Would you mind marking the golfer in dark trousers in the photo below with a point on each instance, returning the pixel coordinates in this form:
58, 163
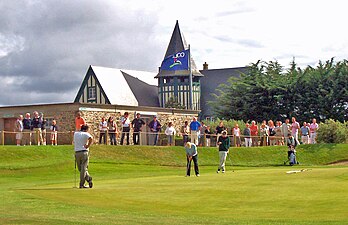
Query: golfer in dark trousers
82, 142
224, 145
191, 154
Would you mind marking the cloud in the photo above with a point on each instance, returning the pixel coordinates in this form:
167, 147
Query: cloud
243, 42
47, 46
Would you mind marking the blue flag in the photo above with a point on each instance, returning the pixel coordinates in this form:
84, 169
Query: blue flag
178, 61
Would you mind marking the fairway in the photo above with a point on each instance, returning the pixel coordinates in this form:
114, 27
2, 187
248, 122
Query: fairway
145, 192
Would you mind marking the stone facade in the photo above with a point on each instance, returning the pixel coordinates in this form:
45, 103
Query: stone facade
65, 113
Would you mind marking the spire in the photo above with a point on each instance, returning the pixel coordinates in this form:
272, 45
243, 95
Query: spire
177, 42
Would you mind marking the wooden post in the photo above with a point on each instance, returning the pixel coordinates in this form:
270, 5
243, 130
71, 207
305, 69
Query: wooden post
3, 137
106, 137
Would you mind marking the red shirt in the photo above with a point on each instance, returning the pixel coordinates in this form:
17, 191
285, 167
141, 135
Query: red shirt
253, 130
79, 122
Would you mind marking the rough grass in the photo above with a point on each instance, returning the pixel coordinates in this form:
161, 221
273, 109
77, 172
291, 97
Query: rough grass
146, 185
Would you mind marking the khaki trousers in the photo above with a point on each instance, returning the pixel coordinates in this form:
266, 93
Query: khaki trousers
82, 160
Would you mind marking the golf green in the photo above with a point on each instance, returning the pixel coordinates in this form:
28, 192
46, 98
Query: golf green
149, 193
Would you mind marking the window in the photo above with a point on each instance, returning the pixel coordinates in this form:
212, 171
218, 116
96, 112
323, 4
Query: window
91, 93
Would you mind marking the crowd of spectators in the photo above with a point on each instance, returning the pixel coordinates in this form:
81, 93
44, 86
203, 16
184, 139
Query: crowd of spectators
32, 130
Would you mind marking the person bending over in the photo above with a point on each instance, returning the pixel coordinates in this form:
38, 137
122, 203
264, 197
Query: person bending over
191, 154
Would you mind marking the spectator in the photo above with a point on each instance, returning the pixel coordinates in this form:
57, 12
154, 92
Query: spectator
27, 126
155, 127
19, 130
54, 133
285, 130
201, 134
272, 133
194, 129
224, 146
112, 130
278, 133
79, 121
207, 136
313, 128
295, 126
103, 127
185, 131
170, 132
254, 131
218, 131
247, 135
236, 135
137, 124
264, 133
36, 128
125, 127
191, 154
43, 128
304, 133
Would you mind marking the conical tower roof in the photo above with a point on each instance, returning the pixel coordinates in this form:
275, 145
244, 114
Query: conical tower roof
178, 43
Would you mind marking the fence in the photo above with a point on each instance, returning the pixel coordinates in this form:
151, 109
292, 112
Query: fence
33, 137
145, 138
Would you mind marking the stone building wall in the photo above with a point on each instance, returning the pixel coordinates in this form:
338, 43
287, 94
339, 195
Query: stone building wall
65, 113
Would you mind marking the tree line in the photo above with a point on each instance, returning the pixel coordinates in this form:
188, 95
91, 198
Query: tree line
268, 91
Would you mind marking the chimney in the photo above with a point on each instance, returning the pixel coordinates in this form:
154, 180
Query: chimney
205, 66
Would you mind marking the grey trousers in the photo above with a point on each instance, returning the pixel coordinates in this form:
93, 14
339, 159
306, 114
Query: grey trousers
82, 160
222, 158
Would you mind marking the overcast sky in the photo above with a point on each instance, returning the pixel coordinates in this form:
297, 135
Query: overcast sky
46, 46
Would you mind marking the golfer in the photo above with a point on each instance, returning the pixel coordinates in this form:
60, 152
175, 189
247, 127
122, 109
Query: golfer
191, 154
224, 145
82, 142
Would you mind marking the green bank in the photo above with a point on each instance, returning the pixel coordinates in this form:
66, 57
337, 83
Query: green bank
146, 185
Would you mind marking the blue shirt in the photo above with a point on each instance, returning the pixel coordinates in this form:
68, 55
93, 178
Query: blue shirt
194, 125
304, 131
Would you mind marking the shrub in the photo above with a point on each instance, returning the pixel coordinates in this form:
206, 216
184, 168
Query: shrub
332, 132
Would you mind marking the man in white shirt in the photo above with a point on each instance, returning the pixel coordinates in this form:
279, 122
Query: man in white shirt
82, 141
125, 127
103, 127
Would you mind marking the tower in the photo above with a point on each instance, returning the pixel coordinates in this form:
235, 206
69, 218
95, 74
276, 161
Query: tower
178, 76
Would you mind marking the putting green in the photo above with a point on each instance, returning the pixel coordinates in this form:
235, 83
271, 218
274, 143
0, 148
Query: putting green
252, 196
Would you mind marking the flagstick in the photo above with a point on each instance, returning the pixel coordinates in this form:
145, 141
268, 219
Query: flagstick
190, 80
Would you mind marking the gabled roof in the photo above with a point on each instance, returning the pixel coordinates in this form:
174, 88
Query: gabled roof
212, 79
176, 44
146, 95
126, 87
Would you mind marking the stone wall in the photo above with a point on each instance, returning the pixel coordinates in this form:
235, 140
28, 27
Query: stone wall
64, 114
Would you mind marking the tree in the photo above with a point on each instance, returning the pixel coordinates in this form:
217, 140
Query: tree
266, 91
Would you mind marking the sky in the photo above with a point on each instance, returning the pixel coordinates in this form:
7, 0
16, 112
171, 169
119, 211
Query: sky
46, 46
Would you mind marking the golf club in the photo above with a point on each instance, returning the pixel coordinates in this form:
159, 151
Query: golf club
75, 174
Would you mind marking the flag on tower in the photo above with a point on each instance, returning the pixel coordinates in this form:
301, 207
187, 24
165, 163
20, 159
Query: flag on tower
177, 61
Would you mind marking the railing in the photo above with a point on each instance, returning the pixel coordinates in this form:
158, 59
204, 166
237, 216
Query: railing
34, 137
145, 138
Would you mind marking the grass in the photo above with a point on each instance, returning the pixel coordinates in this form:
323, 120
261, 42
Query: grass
146, 185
